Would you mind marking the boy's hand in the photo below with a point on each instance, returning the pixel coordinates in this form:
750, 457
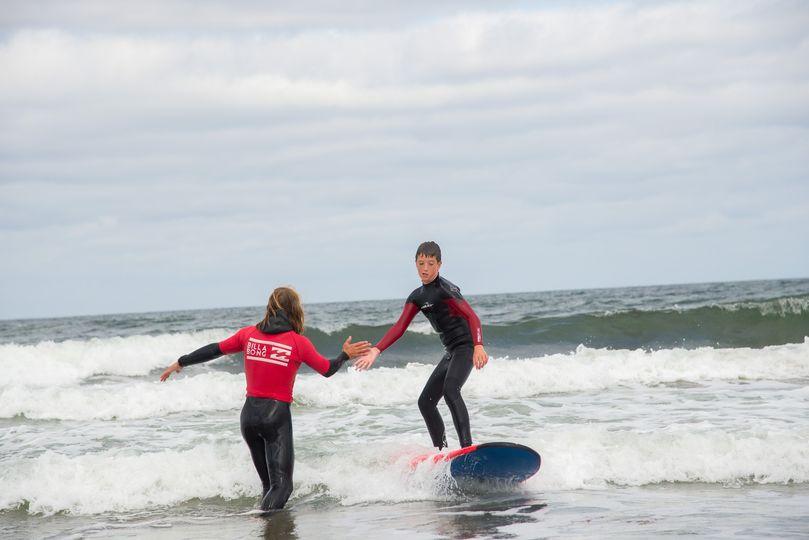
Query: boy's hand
479, 357
367, 360
355, 349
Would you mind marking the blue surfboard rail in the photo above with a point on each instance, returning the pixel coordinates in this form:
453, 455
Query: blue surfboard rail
500, 462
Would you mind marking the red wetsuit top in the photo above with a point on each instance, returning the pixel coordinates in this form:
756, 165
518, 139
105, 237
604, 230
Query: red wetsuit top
449, 314
271, 361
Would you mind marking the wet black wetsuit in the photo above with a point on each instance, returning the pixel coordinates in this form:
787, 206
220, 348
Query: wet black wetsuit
459, 328
266, 426
266, 423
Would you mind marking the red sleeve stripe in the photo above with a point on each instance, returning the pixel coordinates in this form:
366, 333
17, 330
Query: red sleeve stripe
463, 308
398, 329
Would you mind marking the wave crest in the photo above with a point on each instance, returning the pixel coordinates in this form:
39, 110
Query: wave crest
584, 370
50, 363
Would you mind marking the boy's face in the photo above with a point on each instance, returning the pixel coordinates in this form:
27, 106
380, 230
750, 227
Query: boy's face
427, 268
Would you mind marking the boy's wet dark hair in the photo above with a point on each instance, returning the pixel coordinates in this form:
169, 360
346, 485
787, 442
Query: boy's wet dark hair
429, 249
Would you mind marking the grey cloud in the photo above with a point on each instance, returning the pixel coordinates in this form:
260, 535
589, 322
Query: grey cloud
212, 16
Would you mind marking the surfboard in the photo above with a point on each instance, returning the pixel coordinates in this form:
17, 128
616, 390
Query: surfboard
501, 462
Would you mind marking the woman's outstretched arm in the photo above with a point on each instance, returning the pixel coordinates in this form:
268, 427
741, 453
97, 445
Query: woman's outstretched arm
328, 367
203, 354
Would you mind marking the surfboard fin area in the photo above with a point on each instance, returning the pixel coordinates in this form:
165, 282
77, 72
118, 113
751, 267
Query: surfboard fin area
495, 461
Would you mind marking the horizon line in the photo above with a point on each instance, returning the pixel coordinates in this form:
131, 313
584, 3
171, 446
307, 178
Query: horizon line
611, 287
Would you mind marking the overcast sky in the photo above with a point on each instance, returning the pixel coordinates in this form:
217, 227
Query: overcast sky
169, 155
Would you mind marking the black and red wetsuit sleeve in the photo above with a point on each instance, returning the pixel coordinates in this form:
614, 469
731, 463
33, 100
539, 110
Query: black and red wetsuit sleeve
233, 344
312, 358
463, 309
203, 354
398, 329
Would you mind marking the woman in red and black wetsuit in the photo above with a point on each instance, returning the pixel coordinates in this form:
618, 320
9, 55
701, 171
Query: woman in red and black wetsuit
273, 351
459, 328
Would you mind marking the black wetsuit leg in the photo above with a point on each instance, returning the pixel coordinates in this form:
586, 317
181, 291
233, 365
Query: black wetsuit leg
267, 429
446, 381
428, 402
460, 366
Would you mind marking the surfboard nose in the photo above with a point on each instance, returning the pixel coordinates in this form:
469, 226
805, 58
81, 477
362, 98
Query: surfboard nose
497, 462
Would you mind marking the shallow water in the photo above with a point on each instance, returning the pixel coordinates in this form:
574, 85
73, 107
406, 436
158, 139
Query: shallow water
642, 512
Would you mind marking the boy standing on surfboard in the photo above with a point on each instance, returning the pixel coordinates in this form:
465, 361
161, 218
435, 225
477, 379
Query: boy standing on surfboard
459, 328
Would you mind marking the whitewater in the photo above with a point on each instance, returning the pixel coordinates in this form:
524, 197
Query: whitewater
678, 410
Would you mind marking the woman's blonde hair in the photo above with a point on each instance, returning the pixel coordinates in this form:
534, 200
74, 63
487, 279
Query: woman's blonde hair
285, 298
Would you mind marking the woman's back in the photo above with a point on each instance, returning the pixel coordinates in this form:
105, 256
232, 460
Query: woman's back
271, 360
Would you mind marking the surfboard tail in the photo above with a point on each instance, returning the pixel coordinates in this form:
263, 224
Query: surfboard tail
446, 456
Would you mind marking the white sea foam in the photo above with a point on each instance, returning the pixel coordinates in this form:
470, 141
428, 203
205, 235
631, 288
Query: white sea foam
586, 369
336, 328
70, 362
49, 363
574, 457
119, 480
592, 369
202, 392
421, 327
595, 456
378, 473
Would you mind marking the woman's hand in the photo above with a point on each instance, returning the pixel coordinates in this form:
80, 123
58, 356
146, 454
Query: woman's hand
175, 367
479, 357
367, 360
355, 349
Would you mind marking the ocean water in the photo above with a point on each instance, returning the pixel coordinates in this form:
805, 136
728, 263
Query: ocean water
657, 411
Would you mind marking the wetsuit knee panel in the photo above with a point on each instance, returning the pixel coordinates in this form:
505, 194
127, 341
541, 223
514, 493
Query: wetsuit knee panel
427, 401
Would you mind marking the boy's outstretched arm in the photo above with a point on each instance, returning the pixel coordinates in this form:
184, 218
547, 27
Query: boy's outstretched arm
395, 332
